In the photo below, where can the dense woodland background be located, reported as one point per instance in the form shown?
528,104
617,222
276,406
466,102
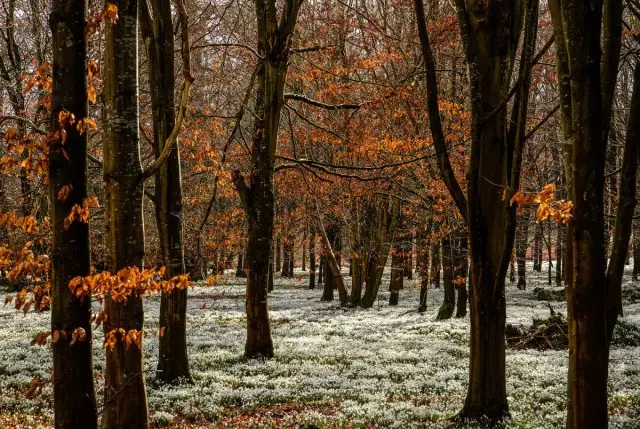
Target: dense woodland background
454,180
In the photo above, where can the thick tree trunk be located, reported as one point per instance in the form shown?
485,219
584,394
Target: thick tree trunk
125,391
273,43
448,305
73,388
586,94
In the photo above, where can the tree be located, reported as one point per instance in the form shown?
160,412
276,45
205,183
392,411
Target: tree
274,43
73,389
157,30
490,36
125,401
587,63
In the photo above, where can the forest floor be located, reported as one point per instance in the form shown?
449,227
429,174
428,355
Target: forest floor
334,367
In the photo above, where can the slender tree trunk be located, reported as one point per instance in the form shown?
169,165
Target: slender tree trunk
73,388
356,280
537,248
240,265
423,268
462,269
397,274
626,205
522,244
435,265
292,260
636,249
278,252
157,30
304,251
125,391
448,305
327,291
321,270
312,259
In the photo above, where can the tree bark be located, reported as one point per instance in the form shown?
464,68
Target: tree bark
125,391
157,30
461,263
448,305
398,266
384,226
312,259
586,94
434,274
624,212
522,244
490,35
273,43
73,388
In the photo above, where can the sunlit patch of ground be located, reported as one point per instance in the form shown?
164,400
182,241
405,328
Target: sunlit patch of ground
334,367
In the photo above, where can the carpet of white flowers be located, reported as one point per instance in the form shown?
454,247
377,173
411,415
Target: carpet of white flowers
334,367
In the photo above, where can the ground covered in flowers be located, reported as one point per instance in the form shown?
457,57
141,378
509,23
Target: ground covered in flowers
334,367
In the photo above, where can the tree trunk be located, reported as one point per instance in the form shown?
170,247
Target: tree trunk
384,225
356,280
125,391
173,362
537,248
398,266
626,205
304,251
240,265
636,249
273,42
312,260
278,252
423,267
522,244
333,266
448,305
327,291
490,34
461,263
586,99
435,265
321,270
73,389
